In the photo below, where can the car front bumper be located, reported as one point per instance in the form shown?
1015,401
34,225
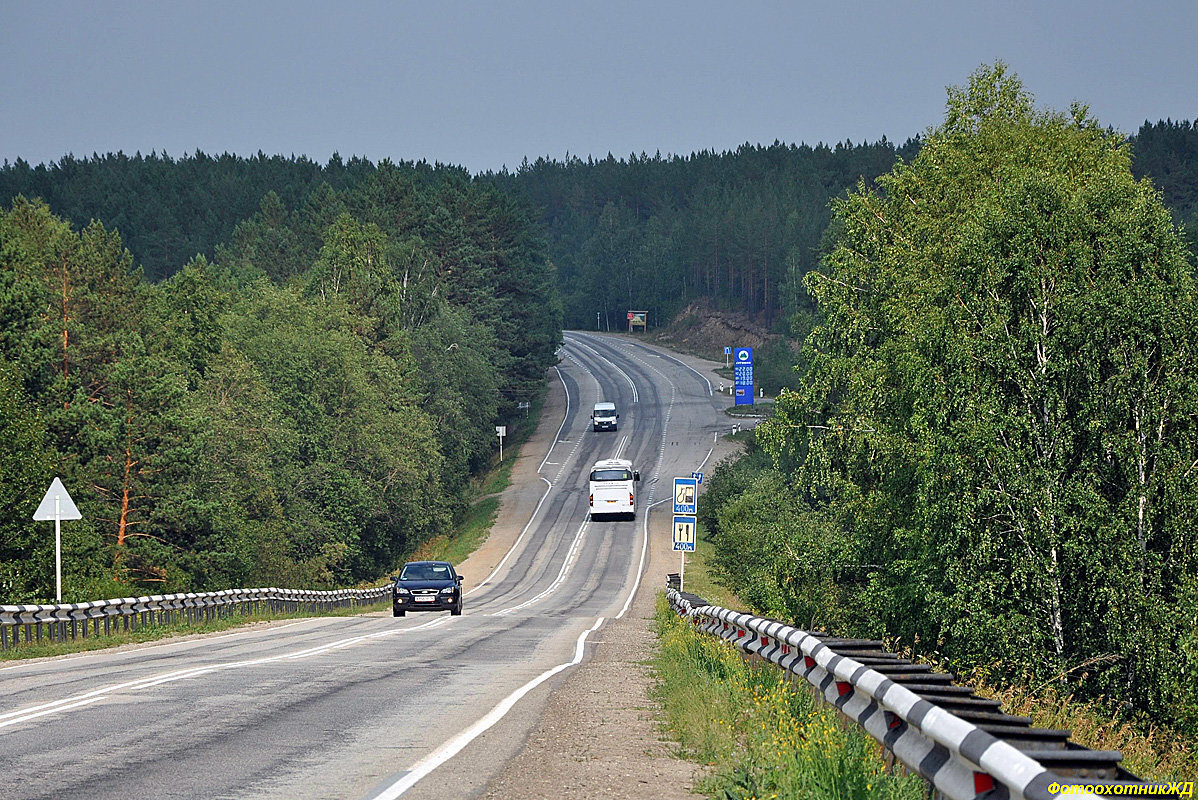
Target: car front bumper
437,603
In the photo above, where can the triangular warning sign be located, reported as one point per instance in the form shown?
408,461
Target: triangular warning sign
64,508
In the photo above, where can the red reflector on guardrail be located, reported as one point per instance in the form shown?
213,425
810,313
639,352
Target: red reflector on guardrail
765,641
843,688
982,782
808,662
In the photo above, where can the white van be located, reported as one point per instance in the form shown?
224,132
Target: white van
604,417
613,488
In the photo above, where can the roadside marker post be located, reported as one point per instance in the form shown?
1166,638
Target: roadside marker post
501,431
57,505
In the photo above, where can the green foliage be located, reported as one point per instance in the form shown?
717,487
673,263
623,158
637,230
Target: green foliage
305,411
738,229
760,734
26,547
991,450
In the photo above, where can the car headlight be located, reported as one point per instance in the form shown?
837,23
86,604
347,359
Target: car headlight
448,590
401,590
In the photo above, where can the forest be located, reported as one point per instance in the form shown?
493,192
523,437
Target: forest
735,230
301,408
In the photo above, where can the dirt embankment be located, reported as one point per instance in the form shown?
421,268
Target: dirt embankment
705,332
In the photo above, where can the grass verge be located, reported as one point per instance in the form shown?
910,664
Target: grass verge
472,532
154,632
1152,751
475,525
761,735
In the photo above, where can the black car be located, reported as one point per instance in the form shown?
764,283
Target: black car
427,586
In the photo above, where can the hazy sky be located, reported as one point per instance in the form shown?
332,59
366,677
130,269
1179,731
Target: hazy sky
486,84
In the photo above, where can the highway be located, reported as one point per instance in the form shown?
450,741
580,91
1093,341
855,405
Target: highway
373,706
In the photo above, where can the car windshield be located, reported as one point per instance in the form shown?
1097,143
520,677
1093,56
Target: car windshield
425,572
605,412
611,475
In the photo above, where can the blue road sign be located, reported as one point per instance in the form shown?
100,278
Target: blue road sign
698,476
686,496
727,351
684,534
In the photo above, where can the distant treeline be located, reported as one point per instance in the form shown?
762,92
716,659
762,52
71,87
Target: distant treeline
300,407
738,229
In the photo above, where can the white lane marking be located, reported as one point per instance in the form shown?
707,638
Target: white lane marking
635,396
640,568
620,449
455,745
515,544
571,557
10,718
710,392
651,351
548,489
205,639
565,417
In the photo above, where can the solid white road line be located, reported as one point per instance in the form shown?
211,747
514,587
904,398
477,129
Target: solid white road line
548,489
571,557
635,395
111,651
10,718
640,567
455,745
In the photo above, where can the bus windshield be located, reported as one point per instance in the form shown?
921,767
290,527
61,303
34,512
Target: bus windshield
611,475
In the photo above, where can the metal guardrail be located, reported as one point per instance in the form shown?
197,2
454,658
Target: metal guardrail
75,620
961,744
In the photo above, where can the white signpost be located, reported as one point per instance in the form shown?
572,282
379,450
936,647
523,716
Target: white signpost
57,505
501,431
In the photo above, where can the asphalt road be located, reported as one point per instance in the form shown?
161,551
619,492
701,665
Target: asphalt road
373,706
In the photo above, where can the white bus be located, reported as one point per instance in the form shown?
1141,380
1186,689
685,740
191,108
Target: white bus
613,488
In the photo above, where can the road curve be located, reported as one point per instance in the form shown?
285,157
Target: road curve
372,706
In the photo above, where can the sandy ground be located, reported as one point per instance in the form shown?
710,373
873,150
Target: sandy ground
600,734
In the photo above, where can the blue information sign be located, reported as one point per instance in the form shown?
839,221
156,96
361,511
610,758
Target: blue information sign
684,534
742,372
686,495
698,476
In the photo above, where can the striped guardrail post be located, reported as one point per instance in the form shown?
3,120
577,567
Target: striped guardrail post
76,620
959,759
